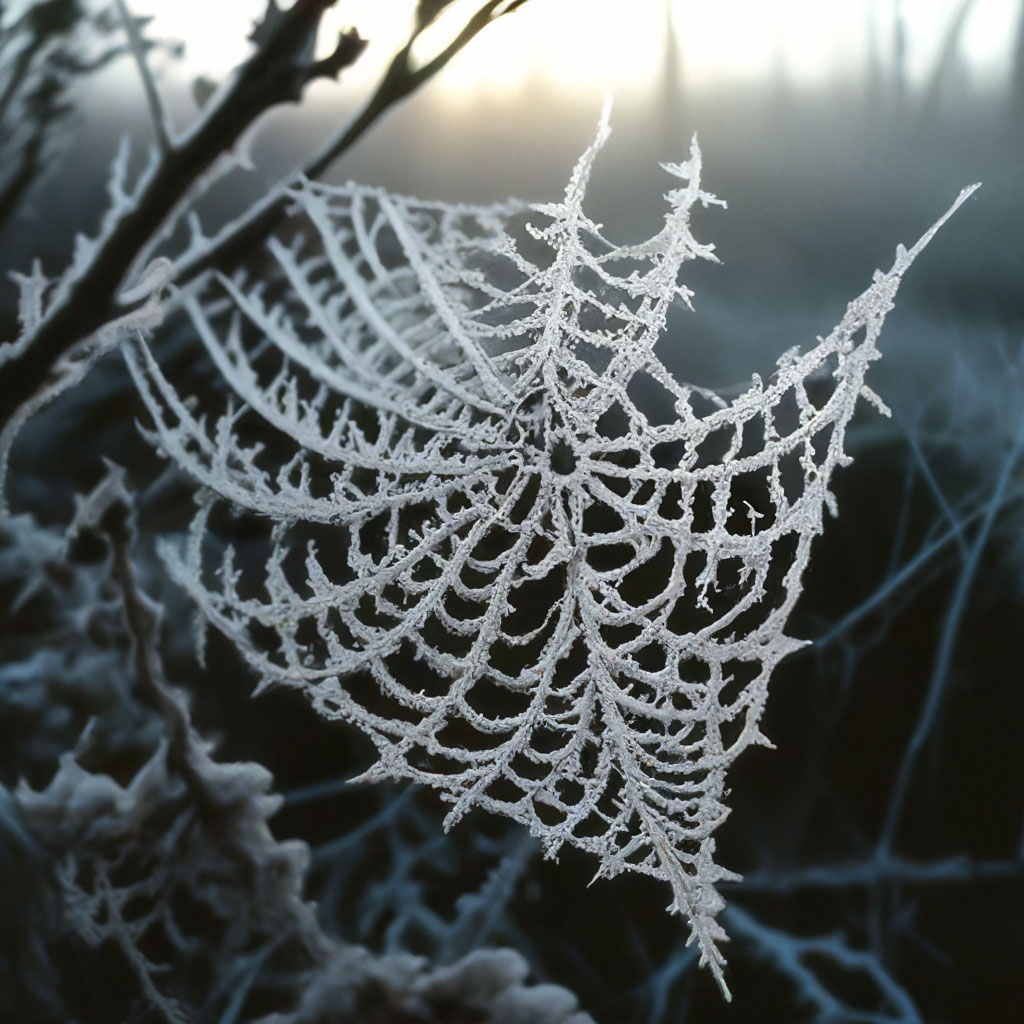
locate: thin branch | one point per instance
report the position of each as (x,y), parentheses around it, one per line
(275,74)
(400,80)
(947,642)
(787,953)
(874,871)
(928,473)
(896,580)
(157,113)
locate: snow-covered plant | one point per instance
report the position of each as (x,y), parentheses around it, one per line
(568,573)
(140,873)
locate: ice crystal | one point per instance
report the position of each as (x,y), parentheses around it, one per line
(570,609)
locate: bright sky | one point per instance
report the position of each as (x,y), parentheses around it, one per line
(591,47)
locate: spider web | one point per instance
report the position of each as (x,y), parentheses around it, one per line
(569,612)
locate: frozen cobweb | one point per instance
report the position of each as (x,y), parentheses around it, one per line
(569,611)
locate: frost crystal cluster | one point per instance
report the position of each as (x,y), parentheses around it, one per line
(485,549)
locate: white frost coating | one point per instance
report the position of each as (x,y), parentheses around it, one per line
(571,610)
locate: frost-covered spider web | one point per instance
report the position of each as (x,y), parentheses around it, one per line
(482,551)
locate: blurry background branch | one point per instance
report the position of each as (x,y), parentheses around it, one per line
(45,50)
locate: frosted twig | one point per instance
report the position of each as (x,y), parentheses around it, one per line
(950,631)
(157,113)
(787,952)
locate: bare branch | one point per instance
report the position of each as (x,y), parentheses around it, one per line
(157,113)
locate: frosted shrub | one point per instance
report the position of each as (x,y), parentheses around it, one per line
(142,881)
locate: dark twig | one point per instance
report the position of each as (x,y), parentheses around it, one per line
(276,73)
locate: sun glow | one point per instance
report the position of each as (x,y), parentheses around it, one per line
(592,47)
(215,35)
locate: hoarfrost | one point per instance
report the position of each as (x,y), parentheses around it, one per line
(571,612)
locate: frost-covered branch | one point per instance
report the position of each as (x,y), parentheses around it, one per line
(158,116)
(46,48)
(401,78)
(792,956)
(88,299)
(950,631)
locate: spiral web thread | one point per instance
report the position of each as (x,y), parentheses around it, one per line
(485,551)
